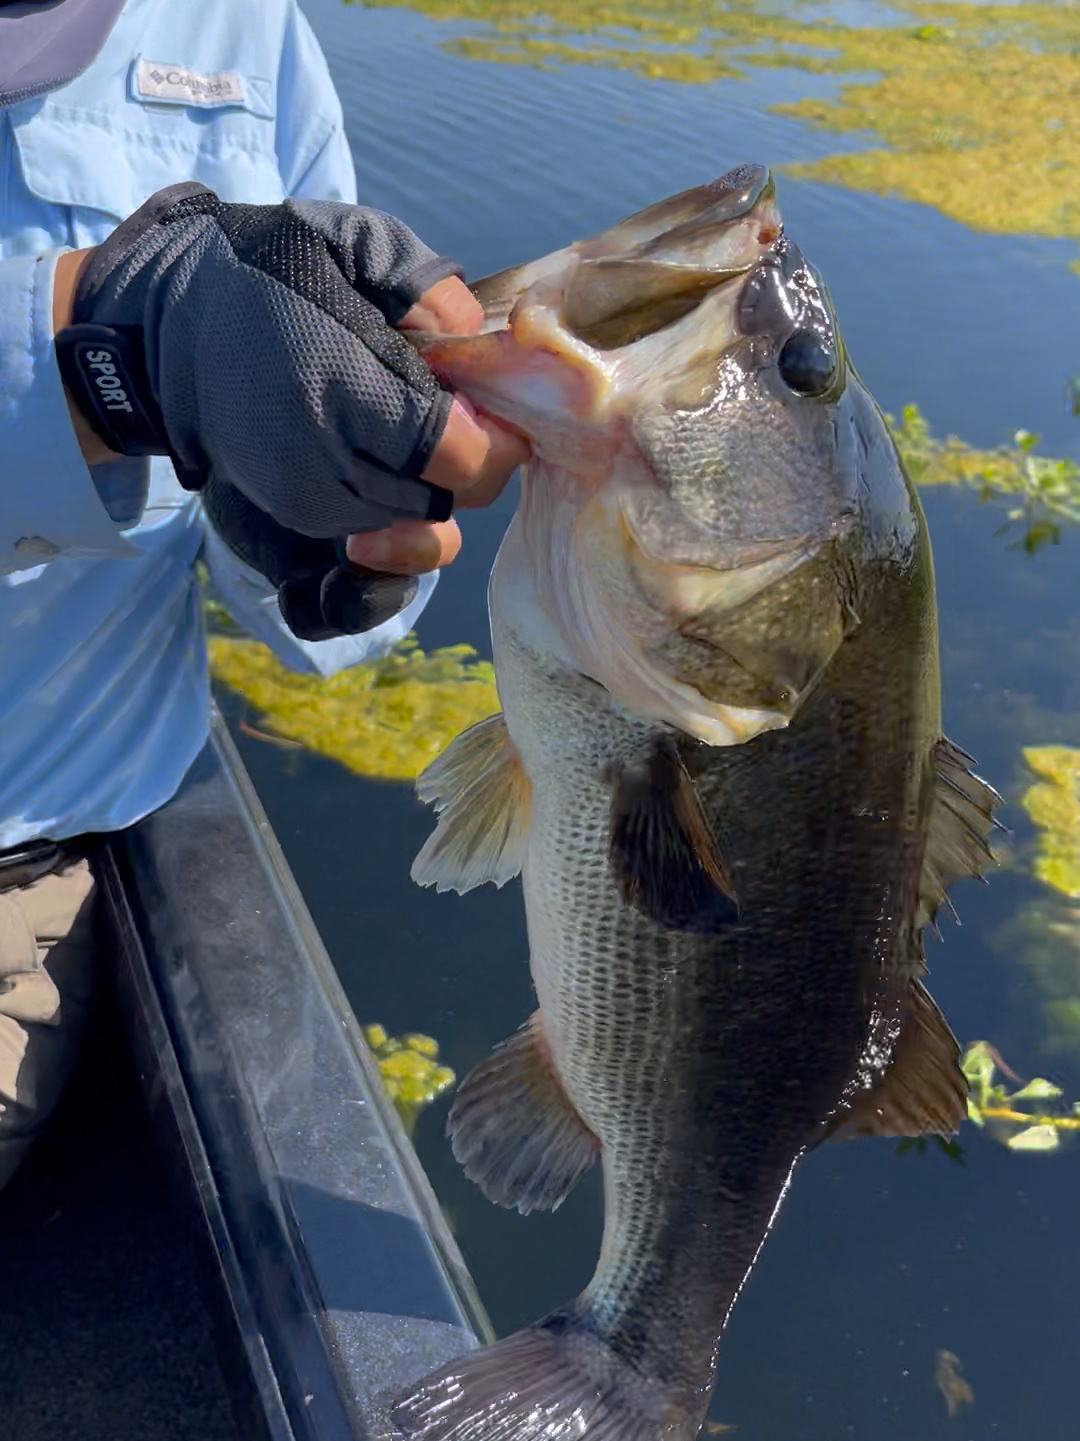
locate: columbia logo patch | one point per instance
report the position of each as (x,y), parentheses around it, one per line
(177,85)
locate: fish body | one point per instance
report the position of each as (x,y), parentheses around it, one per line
(720,771)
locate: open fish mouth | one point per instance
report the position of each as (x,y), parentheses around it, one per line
(621,292)
(570,338)
(688,231)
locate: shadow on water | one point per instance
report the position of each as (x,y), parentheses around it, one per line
(881,1262)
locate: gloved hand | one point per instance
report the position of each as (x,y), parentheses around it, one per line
(320,592)
(254,344)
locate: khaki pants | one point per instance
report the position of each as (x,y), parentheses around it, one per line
(46,978)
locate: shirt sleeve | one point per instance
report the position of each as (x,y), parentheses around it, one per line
(49,504)
(313,151)
(316,164)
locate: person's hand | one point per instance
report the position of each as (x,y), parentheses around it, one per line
(256,346)
(474,458)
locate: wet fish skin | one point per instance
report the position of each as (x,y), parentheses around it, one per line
(706,1063)
(736,604)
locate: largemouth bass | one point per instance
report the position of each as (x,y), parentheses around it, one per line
(720,772)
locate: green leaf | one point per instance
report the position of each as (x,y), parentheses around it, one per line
(1037,1090)
(917,1144)
(952,1149)
(1041,533)
(1025,440)
(977,1064)
(1034,1138)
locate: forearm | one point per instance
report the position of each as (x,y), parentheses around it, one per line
(69,269)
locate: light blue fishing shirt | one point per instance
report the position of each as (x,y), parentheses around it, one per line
(104,689)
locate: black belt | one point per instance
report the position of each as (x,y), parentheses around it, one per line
(29,862)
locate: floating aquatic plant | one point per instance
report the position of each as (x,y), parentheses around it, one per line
(1041,493)
(1034,1117)
(1053,804)
(410,1070)
(974,105)
(1045,933)
(950,1381)
(387,719)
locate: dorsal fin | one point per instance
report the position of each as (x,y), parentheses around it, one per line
(958,835)
(664,856)
(482,795)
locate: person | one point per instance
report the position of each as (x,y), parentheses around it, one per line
(201,353)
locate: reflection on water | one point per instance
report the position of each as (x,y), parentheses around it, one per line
(880,1263)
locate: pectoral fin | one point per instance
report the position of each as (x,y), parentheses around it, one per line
(961,823)
(664,856)
(923,1090)
(515,1130)
(482,794)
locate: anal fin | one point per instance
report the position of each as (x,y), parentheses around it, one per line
(515,1130)
(480,790)
(664,856)
(922,1091)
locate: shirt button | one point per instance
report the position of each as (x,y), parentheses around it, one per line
(36,546)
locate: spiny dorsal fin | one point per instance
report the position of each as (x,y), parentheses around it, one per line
(482,795)
(922,1091)
(961,822)
(515,1130)
(664,856)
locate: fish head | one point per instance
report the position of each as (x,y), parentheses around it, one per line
(690,513)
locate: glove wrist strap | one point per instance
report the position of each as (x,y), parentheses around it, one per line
(104,371)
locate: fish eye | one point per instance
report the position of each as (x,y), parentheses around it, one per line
(807,365)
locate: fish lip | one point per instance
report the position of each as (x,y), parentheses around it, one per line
(731,203)
(758,186)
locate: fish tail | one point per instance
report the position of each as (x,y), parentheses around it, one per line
(555,1381)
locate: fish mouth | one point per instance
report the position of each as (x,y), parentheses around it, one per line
(559,331)
(694,243)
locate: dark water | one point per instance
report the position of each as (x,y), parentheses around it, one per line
(879,1261)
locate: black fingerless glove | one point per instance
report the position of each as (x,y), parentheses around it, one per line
(255,344)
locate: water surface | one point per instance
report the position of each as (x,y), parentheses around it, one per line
(879,1261)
